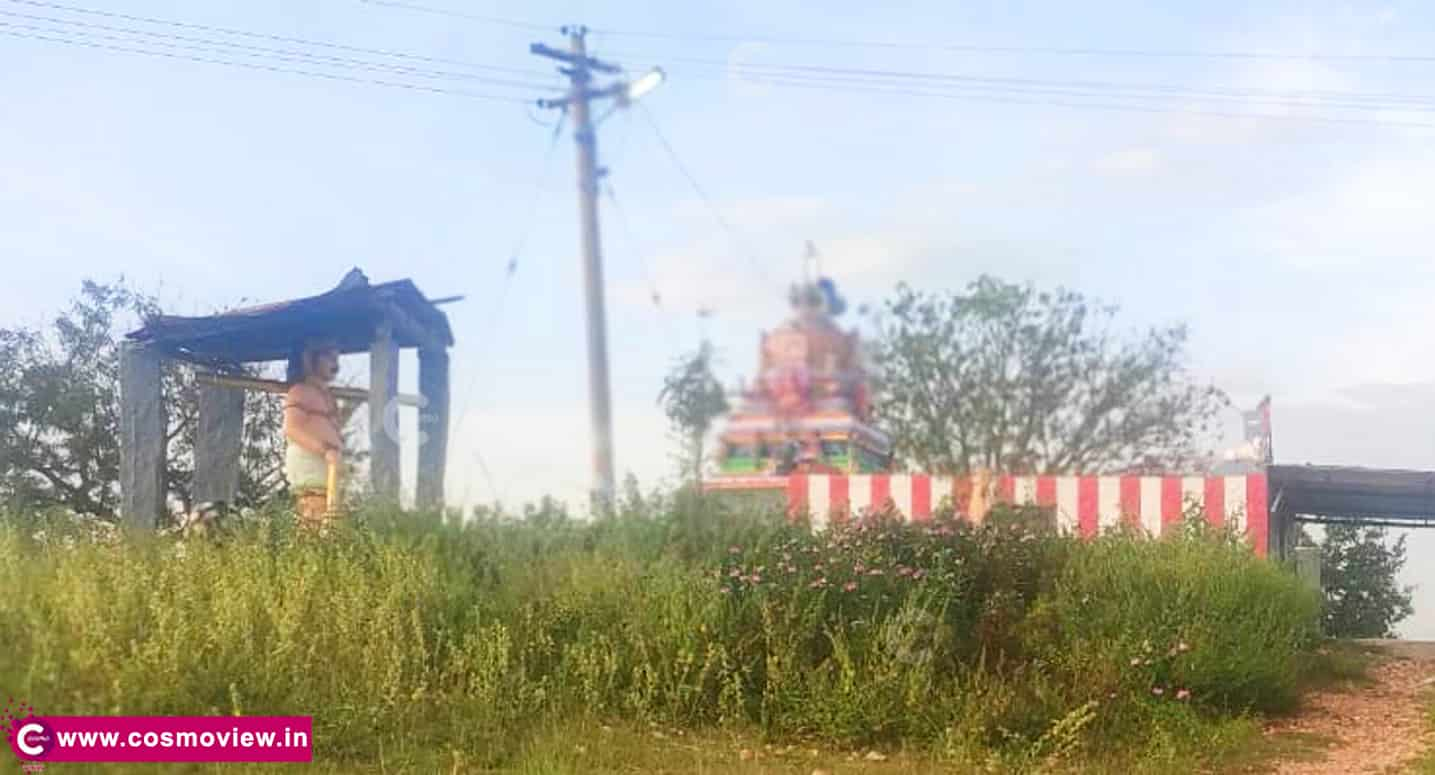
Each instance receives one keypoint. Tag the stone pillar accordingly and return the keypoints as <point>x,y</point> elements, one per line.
<point>1307,565</point>
<point>1284,534</point>
<point>142,431</point>
<point>384,470</point>
<point>433,426</point>
<point>218,442</point>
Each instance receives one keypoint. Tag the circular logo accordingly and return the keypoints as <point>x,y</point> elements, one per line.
<point>391,420</point>
<point>33,739</point>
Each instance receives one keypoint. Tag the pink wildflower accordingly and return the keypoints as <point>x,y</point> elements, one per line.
<point>1158,691</point>
<point>850,586</point>
<point>1183,694</point>
<point>920,573</point>
<point>754,579</point>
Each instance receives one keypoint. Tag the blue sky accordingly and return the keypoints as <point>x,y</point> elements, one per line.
<point>1297,250</point>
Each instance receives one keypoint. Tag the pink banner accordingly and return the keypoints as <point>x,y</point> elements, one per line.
<point>162,738</point>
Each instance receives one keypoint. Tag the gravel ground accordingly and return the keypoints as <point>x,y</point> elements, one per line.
<point>1376,727</point>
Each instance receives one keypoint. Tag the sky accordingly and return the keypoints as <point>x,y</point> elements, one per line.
<point>1293,239</point>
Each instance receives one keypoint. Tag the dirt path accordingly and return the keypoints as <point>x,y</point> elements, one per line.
<point>1374,728</point>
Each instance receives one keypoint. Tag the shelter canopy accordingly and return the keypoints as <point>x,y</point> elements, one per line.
<point>350,315</point>
<point>1345,494</point>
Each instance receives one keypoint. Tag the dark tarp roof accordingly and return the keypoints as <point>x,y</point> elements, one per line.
<point>1346,494</point>
<point>349,314</point>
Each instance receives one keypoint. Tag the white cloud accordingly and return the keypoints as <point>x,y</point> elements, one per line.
<point>931,234</point>
<point>534,451</point>
<point>1268,91</point>
<point>756,213</point>
<point>748,274</point>
<point>1377,215</point>
<point>1129,162</point>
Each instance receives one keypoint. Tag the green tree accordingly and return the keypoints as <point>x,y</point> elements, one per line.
<point>1359,568</point>
<point>1003,376</point>
<point>692,398</point>
<point>59,412</point>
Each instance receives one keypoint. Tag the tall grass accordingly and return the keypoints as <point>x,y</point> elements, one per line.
<point>1000,643</point>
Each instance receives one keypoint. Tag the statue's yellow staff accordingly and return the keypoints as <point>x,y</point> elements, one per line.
<point>332,496</point>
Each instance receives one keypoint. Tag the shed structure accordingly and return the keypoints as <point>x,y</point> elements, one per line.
<point>378,319</point>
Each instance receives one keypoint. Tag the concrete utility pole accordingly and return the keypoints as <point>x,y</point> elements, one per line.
<point>579,67</point>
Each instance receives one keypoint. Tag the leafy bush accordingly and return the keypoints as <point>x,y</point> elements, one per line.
<point>1190,617</point>
<point>1360,572</point>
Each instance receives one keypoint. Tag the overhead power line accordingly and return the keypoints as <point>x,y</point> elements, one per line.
<point>1108,106</point>
<point>1074,51</point>
<point>665,318</point>
<point>703,195</point>
<point>819,73</point>
<point>264,36</point>
<point>510,267</point>
<point>259,66</point>
<point>516,24</point>
<point>780,40</point>
<point>263,53</point>
<point>638,249</point>
<point>898,87</point>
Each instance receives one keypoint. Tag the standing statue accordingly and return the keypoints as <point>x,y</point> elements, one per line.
<point>312,423</point>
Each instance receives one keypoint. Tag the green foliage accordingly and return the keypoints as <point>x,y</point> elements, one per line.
<point>692,398</point>
<point>1359,569</point>
<point>1005,377</point>
<point>1004,645</point>
<point>59,412</point>
<point>1137,617</point>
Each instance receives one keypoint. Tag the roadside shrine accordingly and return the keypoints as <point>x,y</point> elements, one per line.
<point>356,316</point>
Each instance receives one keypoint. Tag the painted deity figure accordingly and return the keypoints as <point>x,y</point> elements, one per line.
<point>312,422</point>
<point>809,359</point>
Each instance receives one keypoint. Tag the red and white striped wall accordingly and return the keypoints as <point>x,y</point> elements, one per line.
<point>1084,504</point>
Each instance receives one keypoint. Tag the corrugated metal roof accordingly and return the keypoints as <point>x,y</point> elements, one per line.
<point>1349,494</point>
<point>349,314</point>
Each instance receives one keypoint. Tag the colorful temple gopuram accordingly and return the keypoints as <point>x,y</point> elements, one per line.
<point>809,409</point>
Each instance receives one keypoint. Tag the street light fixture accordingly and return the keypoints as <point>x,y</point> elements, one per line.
<point>624,93</point>
<point>648,82</point>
